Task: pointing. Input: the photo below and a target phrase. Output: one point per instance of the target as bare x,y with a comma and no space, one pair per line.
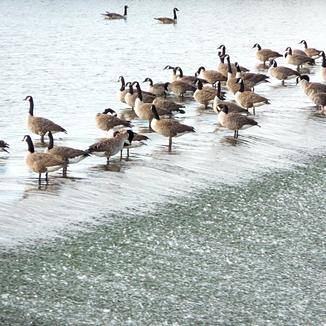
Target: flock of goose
156,106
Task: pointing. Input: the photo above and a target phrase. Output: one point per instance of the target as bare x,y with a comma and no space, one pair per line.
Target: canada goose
137,141
41,162
251,79
219,99
111,146
40,126
212,76
297,59
157,89
112,15
323,66
248,99
122,91
3,146
179,88
204,95
234,121
222,67
174,76
265,54
188,79
320,101
166,20
68,154
131,95
231,82
310,88
105,121
168,127
281,73
168,105
310,52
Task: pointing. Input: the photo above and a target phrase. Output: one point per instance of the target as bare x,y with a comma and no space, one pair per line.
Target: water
218,232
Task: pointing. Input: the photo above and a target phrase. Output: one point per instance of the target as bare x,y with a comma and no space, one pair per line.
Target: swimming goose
219,99
68,154
122,91
157,89
280,72
297,59
231,82
310,88
234,121
212,76
166,20
323,66
41,162
111,146
204,95
3,146
179,88
265,54
105,121
112,15
251,79
168,127
310,52
40,126
248,99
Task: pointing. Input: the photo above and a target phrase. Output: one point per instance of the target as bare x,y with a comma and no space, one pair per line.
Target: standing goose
188,79
212,76
219,99
234,121
113,15
310,88
297,59
122,91
166,20
3,146
41,162
68,154
168,127
204,95
323,66
105,121
137,141
174,76
179,88
131,95
248,99
265,54
111,146
281,73
168,105
158,89
40,126
310,52
231,82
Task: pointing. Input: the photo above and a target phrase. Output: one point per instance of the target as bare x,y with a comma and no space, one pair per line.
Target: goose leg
47,178
108,160
283,82
64,170
42,139
253,110
121,155
39,179
127,159
235,134
170,144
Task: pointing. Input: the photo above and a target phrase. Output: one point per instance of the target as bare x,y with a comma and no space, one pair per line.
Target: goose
158,89
204,95
40,126
310,88
3,146
168,105
188,79
105,121
323,66
166,20
212,76
179,88
222,67
174,76
251,79
168,127
41,162
297,59
231,82
112,15
234,121
68,154
280,72
248,99
320,101
111,146
265,54
137,141
122,91
131,95
219,99
310,52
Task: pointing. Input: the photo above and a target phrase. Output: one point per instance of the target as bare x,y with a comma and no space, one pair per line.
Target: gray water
218,232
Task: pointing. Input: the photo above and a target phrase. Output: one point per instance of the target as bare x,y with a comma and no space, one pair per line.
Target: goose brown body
297,59
105,121
167,20
212,76
157,89
179,87
204,95
265,54
113,15
310,52
281,73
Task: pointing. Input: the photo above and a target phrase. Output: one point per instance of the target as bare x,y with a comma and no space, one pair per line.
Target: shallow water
217,232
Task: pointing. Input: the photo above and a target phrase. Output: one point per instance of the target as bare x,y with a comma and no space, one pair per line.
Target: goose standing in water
137,141
113,15
158,89
105,121
310,52
68,154
168,127
167,20
309,88
280,72
41,162
40,126
204,95
297,59
265,54
3,146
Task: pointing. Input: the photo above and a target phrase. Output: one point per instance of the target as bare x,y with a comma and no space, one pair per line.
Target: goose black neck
238,68
324,60
131,135
30,144
31,106
223,50
218,89
139,94
305,44
241,86
290,51
50,145
174,14
123,85
258,47
155,114
199,84
150,82
131,89
125,11
180,72
229,64
222,57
